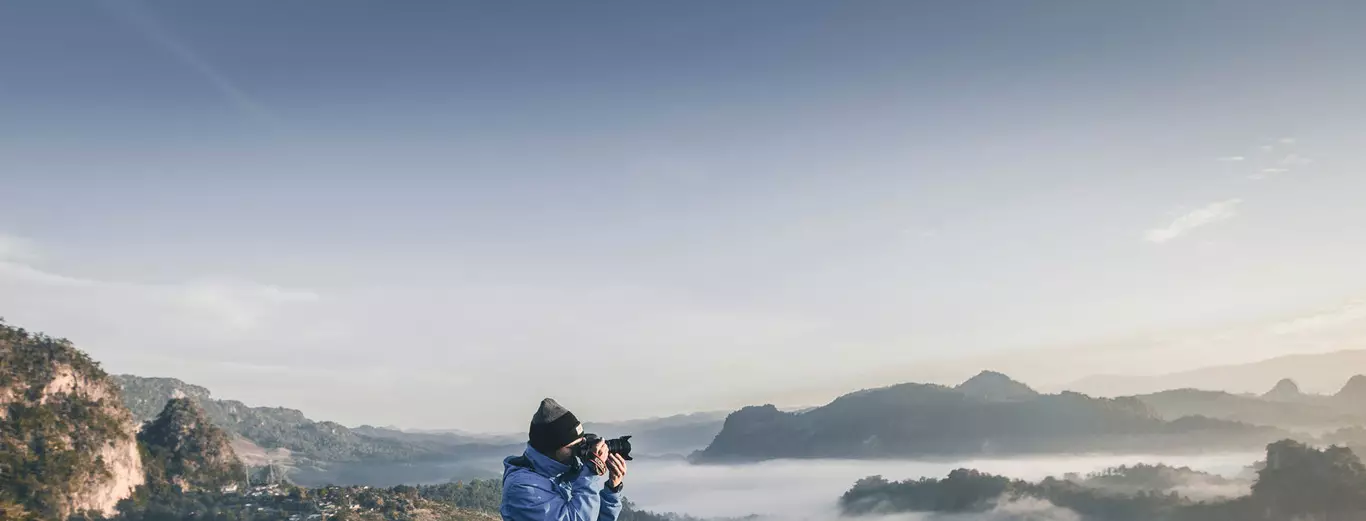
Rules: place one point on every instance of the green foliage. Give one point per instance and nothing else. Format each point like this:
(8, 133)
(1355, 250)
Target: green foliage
(483, 494)
(50, 444)
(447, 502)
(456, 501)
(1138, 478)
(1299, 480)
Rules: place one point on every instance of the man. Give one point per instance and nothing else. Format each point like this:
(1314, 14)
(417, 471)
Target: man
(548, 482)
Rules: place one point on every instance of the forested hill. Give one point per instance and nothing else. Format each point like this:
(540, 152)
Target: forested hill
(990, 414)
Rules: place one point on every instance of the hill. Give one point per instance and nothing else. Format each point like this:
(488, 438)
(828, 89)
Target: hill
(916, 420)
(1318, 373)
(182, 448)
(66, 441)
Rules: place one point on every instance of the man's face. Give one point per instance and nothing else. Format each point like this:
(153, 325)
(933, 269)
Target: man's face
(565, 454)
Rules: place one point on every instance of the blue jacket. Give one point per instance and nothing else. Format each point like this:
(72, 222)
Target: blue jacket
(538, 488)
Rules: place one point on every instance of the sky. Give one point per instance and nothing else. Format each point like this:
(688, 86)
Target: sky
(433, 214)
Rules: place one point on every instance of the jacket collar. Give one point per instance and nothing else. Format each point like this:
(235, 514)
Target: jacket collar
(545, 465)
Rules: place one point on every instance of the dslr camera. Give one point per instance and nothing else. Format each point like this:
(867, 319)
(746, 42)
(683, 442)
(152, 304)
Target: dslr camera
(620, 446)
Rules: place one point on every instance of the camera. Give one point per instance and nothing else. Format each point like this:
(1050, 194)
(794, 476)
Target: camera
(620, 446)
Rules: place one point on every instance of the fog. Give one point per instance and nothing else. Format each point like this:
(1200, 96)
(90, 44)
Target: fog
(795, 490)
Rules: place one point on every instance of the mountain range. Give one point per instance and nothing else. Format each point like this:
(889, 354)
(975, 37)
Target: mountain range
(1025, 421)
(1283, 406)
(987, 414)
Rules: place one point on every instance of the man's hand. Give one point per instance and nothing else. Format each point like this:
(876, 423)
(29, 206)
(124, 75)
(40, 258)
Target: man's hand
(617, 466)
(600, 458)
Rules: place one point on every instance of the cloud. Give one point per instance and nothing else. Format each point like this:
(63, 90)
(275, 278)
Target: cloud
(1286, 141)
(1267, 173)
(1350, 312)
(1206, 215)
(15, 248)
(1231, 158)
(809, 489)
(238, 304)
(1295, 160)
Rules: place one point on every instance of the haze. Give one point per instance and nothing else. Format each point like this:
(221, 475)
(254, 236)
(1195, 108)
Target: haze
(436, 215)
(809, 489)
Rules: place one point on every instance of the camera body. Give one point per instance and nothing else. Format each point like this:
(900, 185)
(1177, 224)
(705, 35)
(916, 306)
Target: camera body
(620, 446)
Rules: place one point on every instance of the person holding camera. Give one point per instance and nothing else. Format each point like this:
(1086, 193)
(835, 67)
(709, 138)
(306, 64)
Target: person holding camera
(562, 476)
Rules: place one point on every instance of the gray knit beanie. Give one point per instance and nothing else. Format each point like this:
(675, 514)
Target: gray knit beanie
(552, 427)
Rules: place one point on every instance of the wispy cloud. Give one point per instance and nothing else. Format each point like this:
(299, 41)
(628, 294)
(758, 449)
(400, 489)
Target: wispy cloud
(1266, 173)
(1203, 216)
(1350, 312)
(1286, 141)
(1231, 158)
(1295, 160)
(238, 304)
(14, 248)
(136, 16)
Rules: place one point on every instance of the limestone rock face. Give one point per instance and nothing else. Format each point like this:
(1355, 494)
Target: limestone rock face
(62, 411)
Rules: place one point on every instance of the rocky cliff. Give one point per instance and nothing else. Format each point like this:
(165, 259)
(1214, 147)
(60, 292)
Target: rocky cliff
(67, 444)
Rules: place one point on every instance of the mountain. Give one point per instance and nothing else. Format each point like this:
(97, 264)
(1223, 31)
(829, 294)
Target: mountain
(1305, 412)
(66, 441)
(181, 447)
(1286, 390)
(268, 427)
(1317, 372)
(994, 386)
(1353, 394)
(915, 420)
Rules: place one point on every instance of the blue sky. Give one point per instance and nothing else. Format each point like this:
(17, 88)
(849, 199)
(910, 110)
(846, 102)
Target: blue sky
(352, 207)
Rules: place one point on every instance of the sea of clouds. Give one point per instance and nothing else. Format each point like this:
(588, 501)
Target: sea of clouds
(808, 490)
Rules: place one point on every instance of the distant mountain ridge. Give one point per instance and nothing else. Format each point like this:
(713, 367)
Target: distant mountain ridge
(319, 452)
(676, 435)
(989, 414)
(1283, 406)
(268, 427)
(1312, 371)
